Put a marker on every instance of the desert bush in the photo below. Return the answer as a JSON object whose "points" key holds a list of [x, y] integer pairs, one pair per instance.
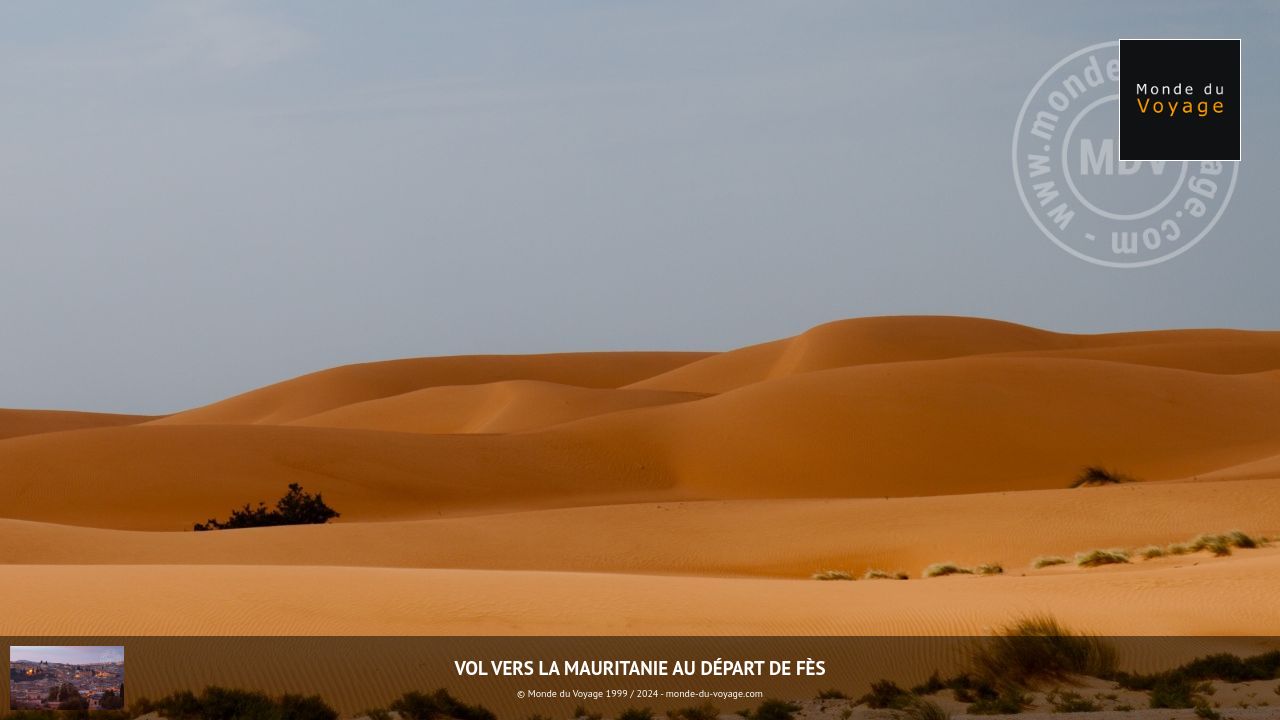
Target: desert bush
{"points": [[1151, 552], [1096, 558], [636, 714], [1178, 549], [1094, 475], [1045, 561], [946, 568], [832, 575], [990, 569], [934, 684], [1039, 648], [876, 574], [1242, 540], [886, 694], [582, 713], [295, 508], [775, 710], [1219, 545], [1173, 691]]}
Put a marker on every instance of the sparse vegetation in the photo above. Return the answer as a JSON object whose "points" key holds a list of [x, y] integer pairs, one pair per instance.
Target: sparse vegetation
{"points": [[989, 569], [832, 694], [1039, 648], [876, 574], [1151, 552], [295, 508], [886, 694], [636, 714], [1045, 561], [1096, 558], [832, 575], [217, 703], [946, 568], [1095, 475]]}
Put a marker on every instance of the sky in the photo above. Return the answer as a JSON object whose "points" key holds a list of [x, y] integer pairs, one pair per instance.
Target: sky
{"points": [[67, 654], [200, 198]]}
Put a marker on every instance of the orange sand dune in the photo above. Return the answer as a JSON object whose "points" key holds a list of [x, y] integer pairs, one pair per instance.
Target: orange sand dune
{"points": [[962, 425], [328, 389], [786, 538], [651, 493], [1258, 353], [16, 423], [1235, 596], [943, 427], [865, 341], [165, 477], [502, 407]]}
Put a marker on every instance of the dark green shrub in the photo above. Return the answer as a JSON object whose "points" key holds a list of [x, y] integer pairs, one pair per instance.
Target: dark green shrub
{"points": [[886, 694], [295, 508], [1094, 475]]}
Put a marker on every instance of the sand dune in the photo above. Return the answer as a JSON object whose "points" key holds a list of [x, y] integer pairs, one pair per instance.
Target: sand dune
{"points": [[502, 407], [654, 493], [945, 427], [328, 389], [787, 538], [865, 341], [270, 600], [17, 423]]}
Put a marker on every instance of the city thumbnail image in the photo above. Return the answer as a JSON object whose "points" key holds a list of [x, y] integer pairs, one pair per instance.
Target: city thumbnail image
{"points": [[66, 677]]}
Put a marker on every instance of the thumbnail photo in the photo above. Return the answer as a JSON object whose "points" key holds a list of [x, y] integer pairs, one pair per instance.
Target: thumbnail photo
{"points": [[66, 677]]}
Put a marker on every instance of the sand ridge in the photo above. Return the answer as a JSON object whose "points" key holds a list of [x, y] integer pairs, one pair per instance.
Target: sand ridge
{"points": [[652, 493]]}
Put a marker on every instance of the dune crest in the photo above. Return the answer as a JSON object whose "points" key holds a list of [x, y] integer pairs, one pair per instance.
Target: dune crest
{"points": [[649, 493]]}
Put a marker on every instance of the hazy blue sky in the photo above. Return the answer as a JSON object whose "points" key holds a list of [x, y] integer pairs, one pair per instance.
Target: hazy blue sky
{"points": [[69, 654], [203, 197]]}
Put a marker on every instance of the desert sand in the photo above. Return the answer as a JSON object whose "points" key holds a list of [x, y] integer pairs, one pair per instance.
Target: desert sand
{"points": [[672, 493]]}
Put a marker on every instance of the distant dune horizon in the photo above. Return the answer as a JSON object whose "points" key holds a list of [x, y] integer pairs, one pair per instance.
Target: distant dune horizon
{"points": [[674, 492]]}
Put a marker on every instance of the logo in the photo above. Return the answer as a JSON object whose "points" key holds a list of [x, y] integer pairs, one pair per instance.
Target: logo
{"points": [[1107, 211]]}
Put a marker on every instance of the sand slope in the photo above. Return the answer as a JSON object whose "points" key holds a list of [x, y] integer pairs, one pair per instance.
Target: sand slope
{"points": [[673, 492], [328, 389], [16, 423], [501, 407]]}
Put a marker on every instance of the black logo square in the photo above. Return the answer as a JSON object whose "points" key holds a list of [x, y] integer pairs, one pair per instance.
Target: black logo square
{"points": [[1179, 99]]}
